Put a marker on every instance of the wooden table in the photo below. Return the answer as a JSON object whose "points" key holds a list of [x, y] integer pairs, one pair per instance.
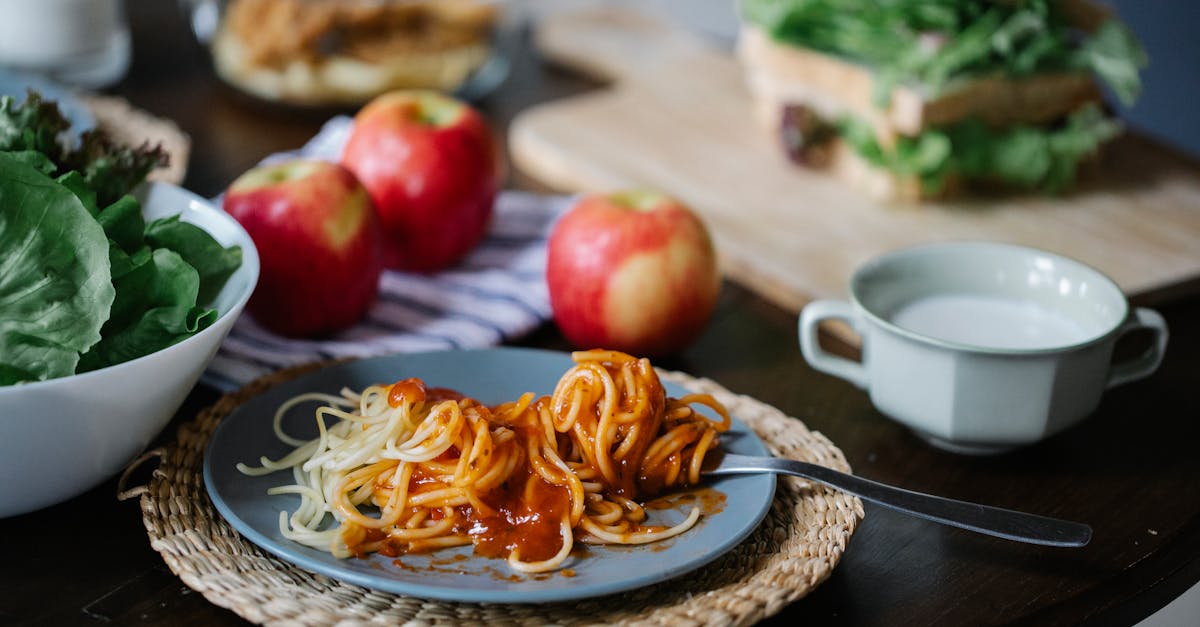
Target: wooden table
{"points": [[1131, 470]]}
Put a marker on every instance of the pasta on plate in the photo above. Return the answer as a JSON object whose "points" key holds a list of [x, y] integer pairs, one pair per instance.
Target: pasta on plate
{"points": [[407, 468]]}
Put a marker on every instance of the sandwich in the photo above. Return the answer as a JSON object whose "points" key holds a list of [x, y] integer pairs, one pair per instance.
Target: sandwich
{"points": [[919, 99], [341, 52]]}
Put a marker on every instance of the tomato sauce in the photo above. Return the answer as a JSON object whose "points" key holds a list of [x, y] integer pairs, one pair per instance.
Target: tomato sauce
{"points": [[414, 390], [438, 395], [528, 517], [532, 528], [411, 390], [527, 512]]}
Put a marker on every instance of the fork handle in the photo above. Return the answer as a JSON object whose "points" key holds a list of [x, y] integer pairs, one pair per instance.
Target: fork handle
{"points": [[993, 521]]}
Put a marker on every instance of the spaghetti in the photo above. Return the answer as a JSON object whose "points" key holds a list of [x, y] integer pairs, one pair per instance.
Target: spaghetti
{"points": [[522, 480]]}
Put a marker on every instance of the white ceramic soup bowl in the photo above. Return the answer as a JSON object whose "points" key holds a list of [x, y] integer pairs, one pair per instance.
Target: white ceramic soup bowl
{"points": [[981, 347], [62, 437]]}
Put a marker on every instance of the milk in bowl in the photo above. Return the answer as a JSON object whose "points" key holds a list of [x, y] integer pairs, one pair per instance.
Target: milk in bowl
{"points": [[989, 322]]}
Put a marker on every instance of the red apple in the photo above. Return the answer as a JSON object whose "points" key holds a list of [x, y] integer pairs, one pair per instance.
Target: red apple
{"points": [[432, 169], [318, 241], [633, 271]]}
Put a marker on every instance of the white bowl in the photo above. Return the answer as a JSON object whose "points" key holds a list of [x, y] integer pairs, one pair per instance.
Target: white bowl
{"points": [[60, 438]]}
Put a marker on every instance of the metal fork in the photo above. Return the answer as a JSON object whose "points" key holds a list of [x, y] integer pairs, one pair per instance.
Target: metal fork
{"points": [[993, 521]]}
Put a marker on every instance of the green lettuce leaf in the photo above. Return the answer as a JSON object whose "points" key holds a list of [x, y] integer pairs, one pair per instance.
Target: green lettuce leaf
{"points": [[930, 44], [123, 224], [214, 263], [1114, 54], [155, 308], [35, 160], [85, 282], [55, 283], [110, 170], [34, 125], [1041, 158]]}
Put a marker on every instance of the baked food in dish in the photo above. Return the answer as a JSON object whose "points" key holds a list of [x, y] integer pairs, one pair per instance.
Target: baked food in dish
{"points": [[913, 99], [347, 51]]}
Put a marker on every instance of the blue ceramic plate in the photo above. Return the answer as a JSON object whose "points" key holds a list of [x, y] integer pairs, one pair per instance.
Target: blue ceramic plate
{"points": [[490, 376]]}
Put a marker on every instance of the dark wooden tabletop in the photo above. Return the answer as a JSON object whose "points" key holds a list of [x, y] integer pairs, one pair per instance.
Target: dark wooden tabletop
{"points": [[1131, 470]]}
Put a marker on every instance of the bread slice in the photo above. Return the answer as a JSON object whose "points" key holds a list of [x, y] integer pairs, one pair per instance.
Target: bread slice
{"points": [[833, 86]]}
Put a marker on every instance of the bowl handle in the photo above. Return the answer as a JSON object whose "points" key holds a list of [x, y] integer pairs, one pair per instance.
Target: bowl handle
{"points": [[1145, 364], [810, 318]]}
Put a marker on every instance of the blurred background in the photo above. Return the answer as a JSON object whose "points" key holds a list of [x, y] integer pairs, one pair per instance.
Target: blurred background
{"points": [[1167, 29]]}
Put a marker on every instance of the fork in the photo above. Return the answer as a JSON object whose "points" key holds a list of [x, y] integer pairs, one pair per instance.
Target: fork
{"points": [[993, 521]]}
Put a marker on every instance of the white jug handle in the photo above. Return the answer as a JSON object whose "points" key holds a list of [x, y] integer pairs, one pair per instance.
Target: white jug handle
{"points": [[810, 318], [1145, 364]]}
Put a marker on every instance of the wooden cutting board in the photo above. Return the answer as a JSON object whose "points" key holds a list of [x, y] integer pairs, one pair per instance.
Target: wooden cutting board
{"points": [[678, 118]]}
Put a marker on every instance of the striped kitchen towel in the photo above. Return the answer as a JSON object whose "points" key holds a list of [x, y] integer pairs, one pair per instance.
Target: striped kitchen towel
{"points": [[496, 293]]}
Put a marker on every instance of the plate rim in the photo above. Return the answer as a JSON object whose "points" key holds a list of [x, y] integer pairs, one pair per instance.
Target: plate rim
{"points": [[290, 552]]}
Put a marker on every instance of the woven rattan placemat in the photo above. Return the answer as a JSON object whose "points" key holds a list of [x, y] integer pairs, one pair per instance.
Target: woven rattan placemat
{"points": [[794, 549]]}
